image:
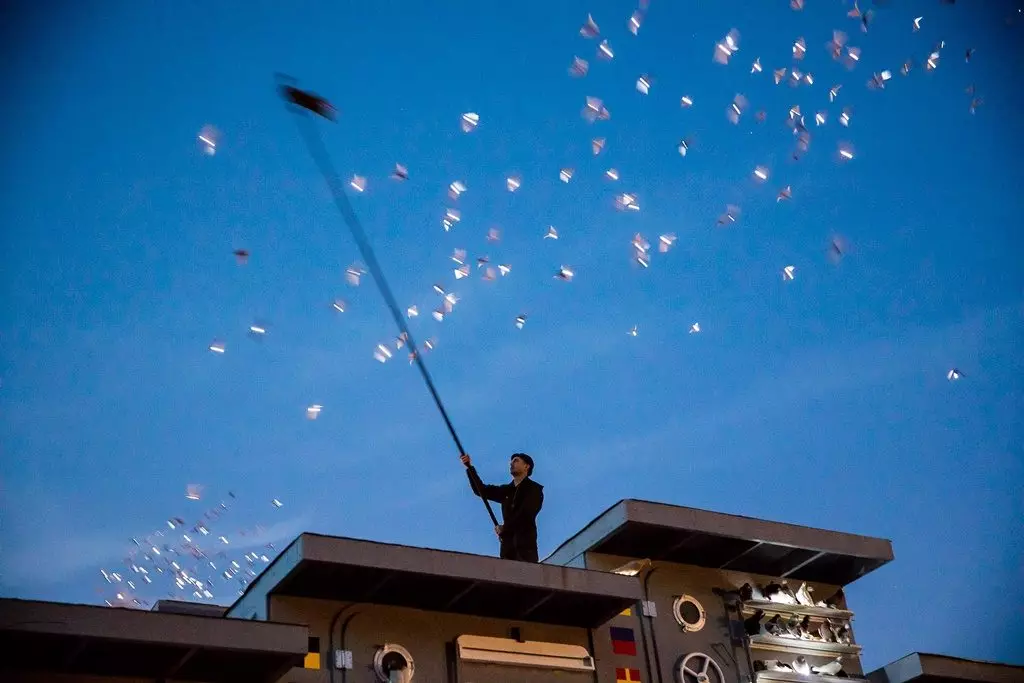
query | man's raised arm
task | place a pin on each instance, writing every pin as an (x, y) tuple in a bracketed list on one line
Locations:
[(488, 491)]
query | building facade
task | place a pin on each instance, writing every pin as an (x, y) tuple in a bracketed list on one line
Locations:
[(645, 592)]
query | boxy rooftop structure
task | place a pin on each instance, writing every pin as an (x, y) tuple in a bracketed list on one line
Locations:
[(368, 611), (349, 570), (670, 533)]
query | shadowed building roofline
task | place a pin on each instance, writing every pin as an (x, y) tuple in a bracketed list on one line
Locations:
[(353, 570), (105, 641), (657, 531)]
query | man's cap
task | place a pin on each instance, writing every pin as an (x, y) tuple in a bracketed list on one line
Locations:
[(527, 459)]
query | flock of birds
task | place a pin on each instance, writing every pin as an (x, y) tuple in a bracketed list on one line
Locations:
[(817, 628), (800, 665), (193, 571), (828, 630), (594, 111), (178, 562)]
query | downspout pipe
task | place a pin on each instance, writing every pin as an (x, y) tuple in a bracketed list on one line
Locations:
[(744, 639), (643, 639), (344, 629), (593, 654), (654, 635), (330, 639)]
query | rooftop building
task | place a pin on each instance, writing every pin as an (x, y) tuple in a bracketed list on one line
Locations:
[(645, 592)]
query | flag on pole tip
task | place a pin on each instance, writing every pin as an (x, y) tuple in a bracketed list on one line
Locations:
[(308, 100)]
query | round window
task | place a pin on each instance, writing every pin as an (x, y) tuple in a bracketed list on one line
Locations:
[(393, 664), (689, 613)]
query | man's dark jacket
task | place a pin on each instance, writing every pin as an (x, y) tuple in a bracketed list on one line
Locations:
[(519, 508)]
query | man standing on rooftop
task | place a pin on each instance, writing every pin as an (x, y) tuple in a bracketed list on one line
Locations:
[(521, 501)]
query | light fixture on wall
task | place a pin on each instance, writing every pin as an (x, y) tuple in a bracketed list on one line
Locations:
[(689, 613), (393, 664)]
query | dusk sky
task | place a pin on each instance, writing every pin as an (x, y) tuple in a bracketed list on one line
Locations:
[(822, 400)]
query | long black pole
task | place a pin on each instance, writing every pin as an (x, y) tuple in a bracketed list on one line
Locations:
[(318, 151)]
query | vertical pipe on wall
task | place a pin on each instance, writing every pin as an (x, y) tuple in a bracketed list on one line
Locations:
[(654, 637), (344, 629), (330, 639), (643, 639), (451, 656), (593, 653), (746, 644)]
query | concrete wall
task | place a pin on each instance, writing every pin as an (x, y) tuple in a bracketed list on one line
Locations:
[(671, 580), (251, 606), (427, 636)]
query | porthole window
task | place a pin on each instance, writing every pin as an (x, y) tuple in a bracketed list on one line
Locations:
[(393, 664), (689, 613)]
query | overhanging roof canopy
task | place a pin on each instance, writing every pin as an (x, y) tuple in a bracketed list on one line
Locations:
[(641, 529), (200, 609), (105, 641), (925, 668), (350, 570)]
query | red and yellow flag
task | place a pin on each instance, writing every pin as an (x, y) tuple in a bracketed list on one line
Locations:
[(627, 676)]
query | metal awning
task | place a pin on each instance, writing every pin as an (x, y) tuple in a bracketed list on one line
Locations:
[(351, 570), (641, 529), (104, 641)]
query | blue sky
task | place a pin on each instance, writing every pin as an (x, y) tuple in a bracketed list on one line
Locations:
[(821, 401)]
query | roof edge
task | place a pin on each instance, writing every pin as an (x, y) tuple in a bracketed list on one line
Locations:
[(145, 626), (888, 555), (550, 559), (285, 556), (924, 664), (628, 509)]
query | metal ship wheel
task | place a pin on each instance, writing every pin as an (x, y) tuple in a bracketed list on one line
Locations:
[(695, 666)]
